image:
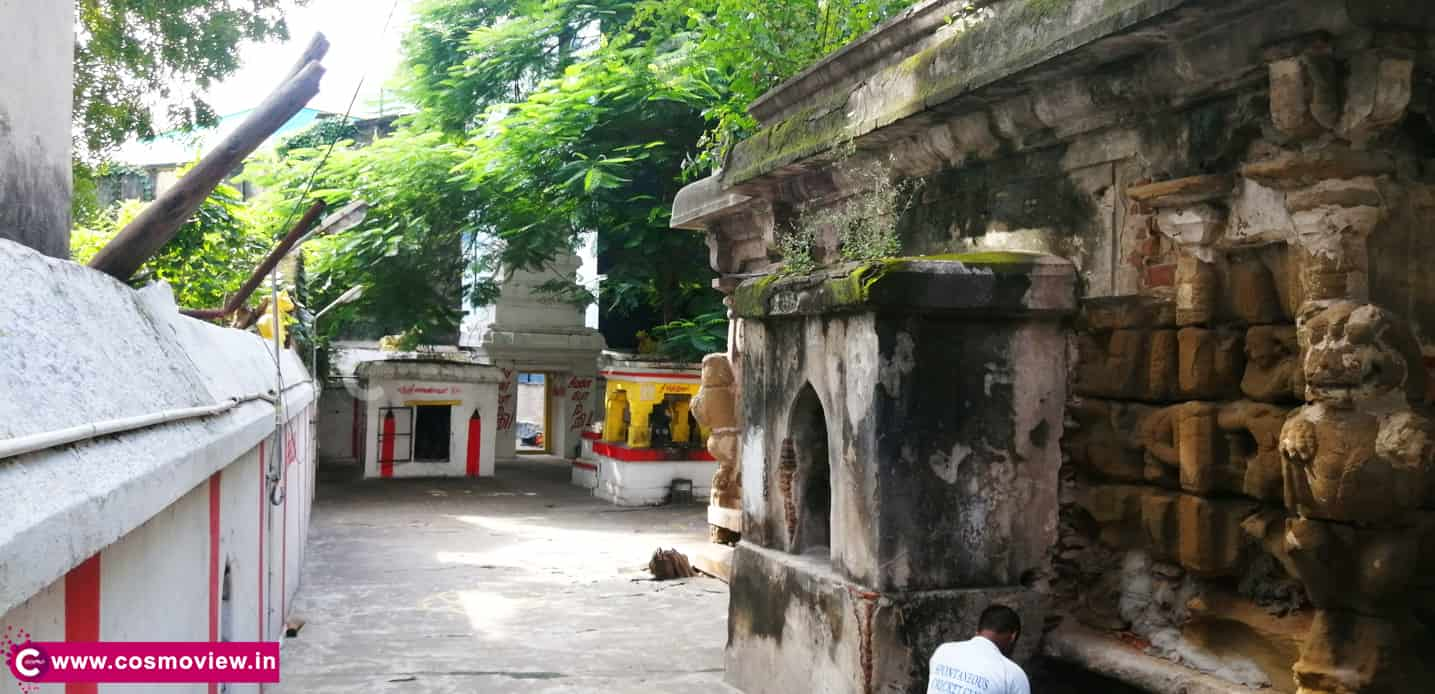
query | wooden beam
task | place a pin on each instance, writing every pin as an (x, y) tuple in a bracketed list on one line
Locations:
[(161, 220), (256, 278)]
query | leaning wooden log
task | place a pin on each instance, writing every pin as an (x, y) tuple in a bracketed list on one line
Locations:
[(290, 240), (314, 52), (161, 220)]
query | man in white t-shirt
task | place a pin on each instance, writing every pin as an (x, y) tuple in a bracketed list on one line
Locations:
[(980, 665)]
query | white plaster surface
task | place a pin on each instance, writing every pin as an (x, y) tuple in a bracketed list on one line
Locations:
[(649, 483), (36, 43), (80, 347)]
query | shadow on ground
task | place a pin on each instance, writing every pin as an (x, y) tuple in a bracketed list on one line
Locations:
[(517, 583)]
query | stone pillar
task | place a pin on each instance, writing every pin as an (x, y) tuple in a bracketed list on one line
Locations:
[(36, 56), (717, 409), (1357, 463), (575, 399), (1357, 459), (505, 446)]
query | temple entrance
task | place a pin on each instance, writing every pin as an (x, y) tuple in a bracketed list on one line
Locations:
[(433, 433), (535, 414), (813, 484)]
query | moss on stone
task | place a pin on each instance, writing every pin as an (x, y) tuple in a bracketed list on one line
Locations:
[(804, 134), (1041, 10), (852, 286), (1020, 34), (750, 298), (983, 257)]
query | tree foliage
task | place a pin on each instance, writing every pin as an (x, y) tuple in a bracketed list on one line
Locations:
[(540, 120), (135, 57), (206, 261), (412, 247)]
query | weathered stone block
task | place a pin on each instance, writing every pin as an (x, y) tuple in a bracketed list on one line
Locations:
[(1107, 440), (1113, 365), (1205, 464), (1273, 371), (1252, 293), (1212, 363), (1305, 94), (1212, 540), (1252, 432), (1377, 94), (1204, 535), (1123, 312), (1197, 291), (794, 625), (1129, 364), (1162, 366)]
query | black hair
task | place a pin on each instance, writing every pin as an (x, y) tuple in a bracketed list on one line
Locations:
[(999, 619)]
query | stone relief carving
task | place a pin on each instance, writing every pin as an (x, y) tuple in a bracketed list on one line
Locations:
[(1356, 462), (716, 408), (1273, 371), (1358, 453)]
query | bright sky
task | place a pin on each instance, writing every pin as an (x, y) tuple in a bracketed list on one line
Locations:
[(359, 49)]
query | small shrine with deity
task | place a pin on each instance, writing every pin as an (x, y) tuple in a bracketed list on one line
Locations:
[(649, 448)]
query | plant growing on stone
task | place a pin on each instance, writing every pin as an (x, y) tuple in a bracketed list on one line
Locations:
[(796, 247), (865, 223)]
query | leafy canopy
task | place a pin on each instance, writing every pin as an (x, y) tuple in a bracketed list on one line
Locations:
[(136, 57), (206, 261), (541, 120)]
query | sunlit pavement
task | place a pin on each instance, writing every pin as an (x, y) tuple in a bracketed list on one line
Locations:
[(520, 583)]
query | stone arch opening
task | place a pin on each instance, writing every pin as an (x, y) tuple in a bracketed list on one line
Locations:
[(810, 530)]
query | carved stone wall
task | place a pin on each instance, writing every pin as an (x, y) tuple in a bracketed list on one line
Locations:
[(1244, 189)]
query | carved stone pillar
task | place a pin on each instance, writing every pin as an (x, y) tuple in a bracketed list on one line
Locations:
[(1357, 462), (716, 409), (1186, 214)]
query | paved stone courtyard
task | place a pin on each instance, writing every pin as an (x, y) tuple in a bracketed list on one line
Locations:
[(519, 583)]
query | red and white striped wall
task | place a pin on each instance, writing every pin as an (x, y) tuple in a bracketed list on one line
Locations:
[(166, 580)]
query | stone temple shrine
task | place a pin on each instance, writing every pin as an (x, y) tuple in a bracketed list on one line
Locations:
[(1118, 312)]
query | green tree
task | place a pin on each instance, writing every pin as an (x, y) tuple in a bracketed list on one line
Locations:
[(133, 54), (413, 246), (206, 261), (540, 120)]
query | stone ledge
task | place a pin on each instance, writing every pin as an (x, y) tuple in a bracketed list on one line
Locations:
[(1019, 35), (699, 203), (991, 284), (1090, 650), (82, 347), (430, 370)]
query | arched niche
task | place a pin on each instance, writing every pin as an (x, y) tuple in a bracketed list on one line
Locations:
[(811, 486)]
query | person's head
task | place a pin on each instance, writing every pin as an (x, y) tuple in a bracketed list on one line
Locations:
[(1002, 626)]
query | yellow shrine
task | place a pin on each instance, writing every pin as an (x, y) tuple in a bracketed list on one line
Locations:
[(634, 393)]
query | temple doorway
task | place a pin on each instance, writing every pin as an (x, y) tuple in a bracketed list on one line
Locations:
[(535, 414)]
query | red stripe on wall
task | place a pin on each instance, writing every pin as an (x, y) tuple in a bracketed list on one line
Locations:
[(262, 501), (82, 611), (475, 443), (214, 577), (648, 455), (386, 448)]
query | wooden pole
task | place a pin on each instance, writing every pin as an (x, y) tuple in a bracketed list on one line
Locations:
[(285, 245), (161, 220), (314, 52)]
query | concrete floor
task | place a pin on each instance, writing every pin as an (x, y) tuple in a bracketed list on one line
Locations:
[(519, 583)]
